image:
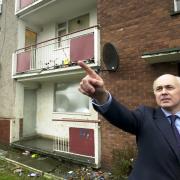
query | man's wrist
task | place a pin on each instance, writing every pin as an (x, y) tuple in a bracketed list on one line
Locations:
[(103, 98), (103, 107), (102, 103)]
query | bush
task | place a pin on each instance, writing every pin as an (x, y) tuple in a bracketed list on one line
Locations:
[(123, 160)]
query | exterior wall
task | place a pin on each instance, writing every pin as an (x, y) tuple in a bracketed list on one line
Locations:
[(17, 122), (8, 25), (21, 39), (44, 110), (93, 17), (48, 123), (8, 28), (134, 27)]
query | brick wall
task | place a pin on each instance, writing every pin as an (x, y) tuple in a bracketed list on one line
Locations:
[(4, 131), (135, 27)]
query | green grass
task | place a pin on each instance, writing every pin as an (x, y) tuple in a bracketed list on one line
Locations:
[(8, 172)]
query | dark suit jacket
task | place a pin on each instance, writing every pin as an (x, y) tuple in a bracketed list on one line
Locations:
[(158, 154)]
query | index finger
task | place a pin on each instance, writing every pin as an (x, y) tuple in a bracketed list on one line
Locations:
[(88, 70)]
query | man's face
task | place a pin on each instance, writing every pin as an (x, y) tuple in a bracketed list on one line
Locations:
[(167, 93)]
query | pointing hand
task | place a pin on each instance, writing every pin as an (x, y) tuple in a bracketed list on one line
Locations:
[(92, 84)]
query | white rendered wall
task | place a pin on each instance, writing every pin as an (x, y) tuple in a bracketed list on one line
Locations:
[(18, 111), (93, 17)]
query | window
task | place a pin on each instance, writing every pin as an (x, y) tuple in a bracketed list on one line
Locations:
[(61, 31), (176, 5), (70, 26), (78, 23), (67, 98)]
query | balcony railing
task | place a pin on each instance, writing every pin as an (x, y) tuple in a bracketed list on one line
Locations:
[(61, 52), (80, 142)]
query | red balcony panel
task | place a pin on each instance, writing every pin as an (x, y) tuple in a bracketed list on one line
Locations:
[(24, 3), (23, 61), (81, 141), (82, 48)]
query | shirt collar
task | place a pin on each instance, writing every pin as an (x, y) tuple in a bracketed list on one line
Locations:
[(167, 113)]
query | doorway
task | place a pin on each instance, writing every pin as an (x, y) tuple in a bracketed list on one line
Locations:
[(30, 37)]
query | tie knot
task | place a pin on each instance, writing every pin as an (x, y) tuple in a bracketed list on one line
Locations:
[(173, 118)]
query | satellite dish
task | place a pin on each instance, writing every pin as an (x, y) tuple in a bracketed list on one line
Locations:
[(110, 57)]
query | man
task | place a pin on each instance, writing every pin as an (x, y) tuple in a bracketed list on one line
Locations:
[(156, 133)]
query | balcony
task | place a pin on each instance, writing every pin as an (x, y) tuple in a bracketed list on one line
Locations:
[(39, 12), (58, 55)]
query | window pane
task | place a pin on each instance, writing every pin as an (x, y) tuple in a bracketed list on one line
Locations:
[(69, 99), (78, 23)]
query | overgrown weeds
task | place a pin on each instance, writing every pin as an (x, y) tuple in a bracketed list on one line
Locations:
[(123, 160)]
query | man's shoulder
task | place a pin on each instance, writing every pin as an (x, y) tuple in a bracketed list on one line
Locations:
[(146, 108)]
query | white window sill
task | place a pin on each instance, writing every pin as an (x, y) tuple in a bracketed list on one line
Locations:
[(71, 113)]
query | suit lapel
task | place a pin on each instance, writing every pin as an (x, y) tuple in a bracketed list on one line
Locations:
[(166, 131)]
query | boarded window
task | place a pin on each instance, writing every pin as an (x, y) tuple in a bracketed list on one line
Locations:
[(67, 98)]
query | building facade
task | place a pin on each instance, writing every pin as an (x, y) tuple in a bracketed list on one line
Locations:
[(41, 41)]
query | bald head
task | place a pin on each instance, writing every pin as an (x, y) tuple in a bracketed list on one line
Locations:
[(166, 78)]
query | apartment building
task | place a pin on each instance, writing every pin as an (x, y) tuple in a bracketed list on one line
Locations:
[(41, 41), (48, 114)]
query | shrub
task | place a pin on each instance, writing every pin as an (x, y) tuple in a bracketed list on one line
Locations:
[(123, 160)]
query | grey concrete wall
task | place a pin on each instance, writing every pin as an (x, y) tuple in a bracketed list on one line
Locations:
[(8, 43)]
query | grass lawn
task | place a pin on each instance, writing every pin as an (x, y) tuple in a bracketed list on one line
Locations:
[(10, 171)]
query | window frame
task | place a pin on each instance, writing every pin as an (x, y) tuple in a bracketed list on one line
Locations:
[(61, 29), (66, 26), (91, 115), (68, 112)]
